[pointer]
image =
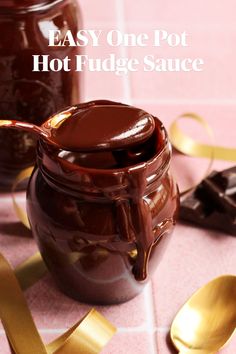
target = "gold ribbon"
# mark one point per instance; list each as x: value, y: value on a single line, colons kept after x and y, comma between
x: 192, y: 147
x: 91, y: 334
x: 22, y: 176
x: 88, y: 336
x: 180, y: 141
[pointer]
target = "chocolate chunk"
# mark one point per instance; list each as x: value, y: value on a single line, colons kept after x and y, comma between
x: 213, y: 203
x: 227, y: 178
x: 221, y: 188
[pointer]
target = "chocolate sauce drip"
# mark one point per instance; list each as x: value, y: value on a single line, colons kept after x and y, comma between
x: 126, y: 132
x: 107, y: 205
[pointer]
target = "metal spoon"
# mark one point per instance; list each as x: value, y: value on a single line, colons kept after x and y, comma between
x: 44, y: 132
x: 208, y: 319
x: 94, y: 127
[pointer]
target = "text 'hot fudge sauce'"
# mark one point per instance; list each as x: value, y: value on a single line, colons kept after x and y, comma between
x: 26, y: 95
x: 102, y: 215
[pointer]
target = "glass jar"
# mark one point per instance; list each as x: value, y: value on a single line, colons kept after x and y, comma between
x: 102, y: 231
x: 26, y: 95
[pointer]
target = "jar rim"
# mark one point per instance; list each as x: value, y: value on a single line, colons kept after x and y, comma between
x: 64, y: 172
x: 43, y: 145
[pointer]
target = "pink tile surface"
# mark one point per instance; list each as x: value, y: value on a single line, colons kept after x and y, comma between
x: 214, y: 82
x: 102, y: 12
x: 194, y: 256
x: 124, y: 343
x: 120, y: 344
x: 165, y: 346
x: 182, y: 12
x: 103, y: 84
x: 46, y: 301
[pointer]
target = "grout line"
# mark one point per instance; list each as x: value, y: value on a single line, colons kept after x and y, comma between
x: 186, y: 101
x: 127, y: 94
x: 164, y: 330
x: 93, y: 97
x: 135, y: 25
x: 5, y: 200
x: 124, y: 51
x: 9, y: 199
x: 141, y: 329
x: 144, y: 328
x: 170, y: 101
x: 149, y: 303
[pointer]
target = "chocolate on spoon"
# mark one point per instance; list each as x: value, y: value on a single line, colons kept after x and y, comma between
x: 111, y: 127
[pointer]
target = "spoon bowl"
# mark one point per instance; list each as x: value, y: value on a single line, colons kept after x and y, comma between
x: 111, y: 126
x: 208, y: 319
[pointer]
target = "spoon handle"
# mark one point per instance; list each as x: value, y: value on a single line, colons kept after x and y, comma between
x: 189, y: 351
x: 15, y: 124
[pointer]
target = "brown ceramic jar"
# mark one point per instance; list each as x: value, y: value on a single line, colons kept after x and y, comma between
x: 94, y: 223
x: 26, y: 95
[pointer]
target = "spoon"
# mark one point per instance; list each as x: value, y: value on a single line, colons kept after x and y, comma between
x: 45, y: 131
x: 208, y: 319
x: 92, y: 126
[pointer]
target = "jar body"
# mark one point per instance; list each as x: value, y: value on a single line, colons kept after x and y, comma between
x: 26, y: 95
x: 79, y: 238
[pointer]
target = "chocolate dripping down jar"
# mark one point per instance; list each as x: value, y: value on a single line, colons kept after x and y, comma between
x: 101, y: 227
x: 26, y: 95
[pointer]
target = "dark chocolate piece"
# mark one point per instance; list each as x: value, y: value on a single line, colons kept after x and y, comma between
x: 227, y: 178
x: 221, y: 188
x: 213, y: 203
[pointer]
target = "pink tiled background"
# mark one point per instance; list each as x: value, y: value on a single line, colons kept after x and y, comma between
x: 194, y: 256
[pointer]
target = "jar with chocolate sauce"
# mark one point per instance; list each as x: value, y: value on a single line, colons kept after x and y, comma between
x: 103, y: 210
x: 26, y: 95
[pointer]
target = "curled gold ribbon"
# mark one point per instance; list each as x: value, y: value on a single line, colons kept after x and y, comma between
x: 30, y: 271
x: 88, y: 336
x: 191, y: 147
x: 22, y: 215
x: 91, y: 334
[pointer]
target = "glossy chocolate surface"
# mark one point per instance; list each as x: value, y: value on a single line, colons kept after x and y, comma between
x: 26, y: 95
x: 102, y: 217
x: 103, y: 127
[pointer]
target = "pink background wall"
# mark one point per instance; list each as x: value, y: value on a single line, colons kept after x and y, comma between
x: 194, y: 256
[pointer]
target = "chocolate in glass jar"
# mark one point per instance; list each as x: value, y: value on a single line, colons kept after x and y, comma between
x: 102, y: 212
x: 26, y: 95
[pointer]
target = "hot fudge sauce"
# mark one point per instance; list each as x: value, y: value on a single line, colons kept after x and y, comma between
x: 102, y: 213
x: 26, y: 95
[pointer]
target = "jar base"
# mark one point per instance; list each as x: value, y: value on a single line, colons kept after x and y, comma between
x: 92, y: 301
